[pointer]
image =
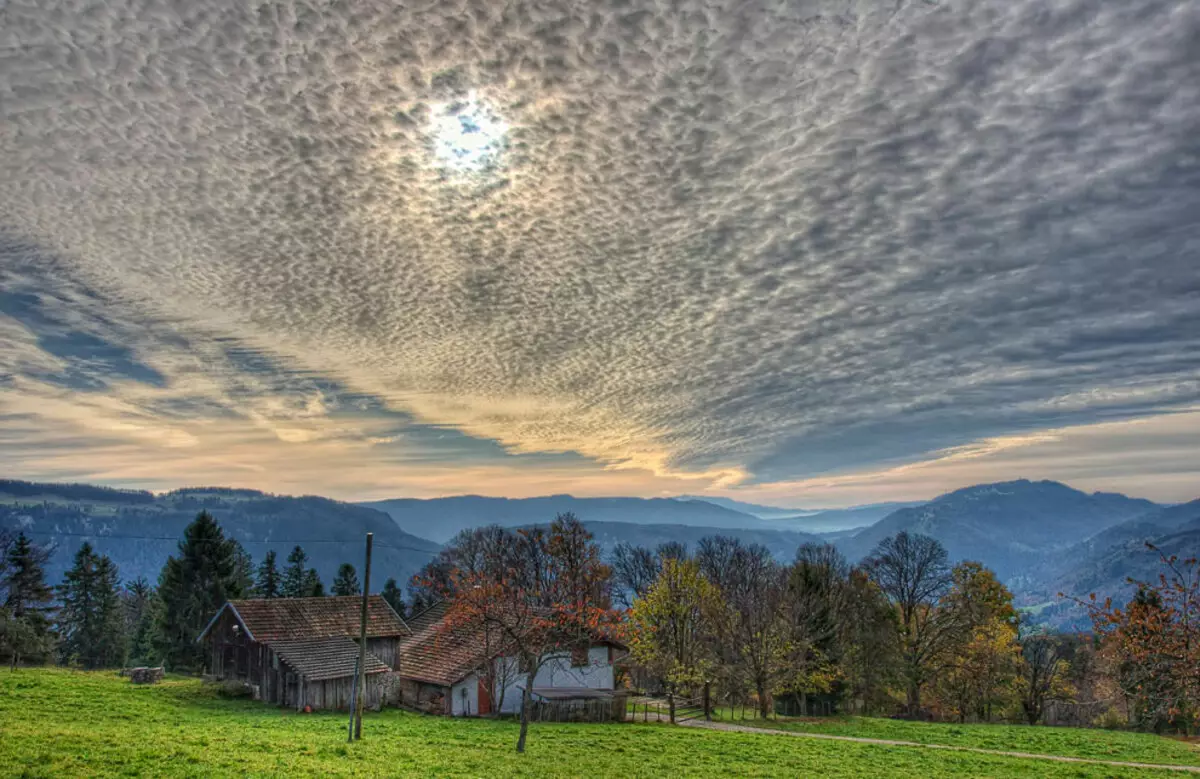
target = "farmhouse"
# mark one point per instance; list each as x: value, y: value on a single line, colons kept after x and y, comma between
x: 464, y: 672
x: 300, y: 652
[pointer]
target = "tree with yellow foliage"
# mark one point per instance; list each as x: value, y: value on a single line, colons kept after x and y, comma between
x: 981, y: 666
x: 672, y: 628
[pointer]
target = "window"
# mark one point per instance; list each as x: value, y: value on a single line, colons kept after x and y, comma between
x: 579, y: 657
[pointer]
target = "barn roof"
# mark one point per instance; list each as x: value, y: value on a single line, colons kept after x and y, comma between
x: 324, y: 658
x: 443, y: 655
x: 439, y: 656
x: 271, y: 619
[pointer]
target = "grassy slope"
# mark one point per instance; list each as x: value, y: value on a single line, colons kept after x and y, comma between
x: 1070, y: 742
x: 60, y: 723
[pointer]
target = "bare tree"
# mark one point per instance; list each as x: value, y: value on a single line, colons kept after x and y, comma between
x: 635, y: 569
x: 753, y: 637
x: 671, y: 550
x: 490, y: 550
x: 914, y: 572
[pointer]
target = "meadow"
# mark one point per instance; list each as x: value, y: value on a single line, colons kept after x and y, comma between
x: 57, y: 722
x: 1093, y: 744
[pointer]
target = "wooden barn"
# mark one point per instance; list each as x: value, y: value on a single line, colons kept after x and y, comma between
x: 300, y: 652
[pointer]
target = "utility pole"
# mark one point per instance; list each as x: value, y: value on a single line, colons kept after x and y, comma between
x: 361, y: 681
x: 353, y: 705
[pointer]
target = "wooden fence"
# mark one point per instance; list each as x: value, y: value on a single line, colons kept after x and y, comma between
x: 588, y: 710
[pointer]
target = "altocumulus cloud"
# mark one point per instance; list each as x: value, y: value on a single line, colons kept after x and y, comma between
x: 738, y: 243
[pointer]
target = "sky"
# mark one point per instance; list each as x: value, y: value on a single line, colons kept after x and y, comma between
x: 808, y: 253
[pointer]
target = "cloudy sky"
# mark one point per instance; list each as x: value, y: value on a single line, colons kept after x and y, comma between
x: 809, y: 252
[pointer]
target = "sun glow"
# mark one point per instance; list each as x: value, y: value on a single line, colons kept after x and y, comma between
x: 468, y: 135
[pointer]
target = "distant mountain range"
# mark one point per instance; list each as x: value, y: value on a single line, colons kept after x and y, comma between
x: 1010, y: 526
x: 1041, y: 537
x: 139, y: 530
x: 753, y: 509
x: 810, y: 520
x: 441, y: 518
x: 1104, y: 562
x: 782, y: 543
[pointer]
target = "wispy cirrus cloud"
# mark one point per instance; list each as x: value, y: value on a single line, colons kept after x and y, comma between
x: 726, y: 244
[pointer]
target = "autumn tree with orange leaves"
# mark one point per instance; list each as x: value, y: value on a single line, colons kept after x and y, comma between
x: 540, y: 595
x: 1155, y: 642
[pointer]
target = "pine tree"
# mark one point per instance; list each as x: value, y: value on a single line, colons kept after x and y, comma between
x: 136, y: 599
x: 269, y: 584
x: 191, y: 588
x: 313, y: 586
x: 346, y: 581
x: 141, y: 604
x: 243, y: 570
x: 294, y: 574
x: 91, y: 621
x: 391, y: 593
x: 112, y: 649
x: 28, y: 602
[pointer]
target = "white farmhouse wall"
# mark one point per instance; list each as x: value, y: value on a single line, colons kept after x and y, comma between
x: 557, y: 672
x: 464, y: 697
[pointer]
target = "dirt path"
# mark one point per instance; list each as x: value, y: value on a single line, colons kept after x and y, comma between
x: 892, y: 743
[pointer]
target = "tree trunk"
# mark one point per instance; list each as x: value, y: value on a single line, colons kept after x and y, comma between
x: 914, y: 700
x: 708, y: 701
x: 526, y: 698
x: 671, y: 706
x: 760, y: 686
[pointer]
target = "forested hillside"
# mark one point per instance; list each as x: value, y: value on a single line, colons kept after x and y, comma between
x: 138, y: 530
x: 1013, y: 527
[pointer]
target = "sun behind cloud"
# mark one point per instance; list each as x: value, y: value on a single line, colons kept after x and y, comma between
x: 721, y: 246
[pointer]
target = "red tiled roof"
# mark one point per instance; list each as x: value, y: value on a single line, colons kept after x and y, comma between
x: 272, y: 619
x: 324, y: 658
x: 440, y: 656
x: 432, y: 654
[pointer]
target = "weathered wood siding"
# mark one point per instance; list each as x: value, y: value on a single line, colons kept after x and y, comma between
x: 336, y: 693
x: 386, y: 649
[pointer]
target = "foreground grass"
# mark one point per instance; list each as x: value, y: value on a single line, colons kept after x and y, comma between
x: 63, y: 723
x: 1068, y: 742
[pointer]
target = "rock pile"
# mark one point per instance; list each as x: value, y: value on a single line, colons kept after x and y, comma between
x: 146, y: 675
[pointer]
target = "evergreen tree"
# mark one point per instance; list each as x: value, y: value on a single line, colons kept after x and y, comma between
x: 19, y: 639
x: 91, y: 621
x: 191, y: 588
x: 346, y: 581
x: 391, y: 593
x: 28, y: 602
x: 243, y: 570
x: 136, y: 599
x: 294, y: 580
x: 313, y: 586
x: 141, y: 615
x: 269, y: 584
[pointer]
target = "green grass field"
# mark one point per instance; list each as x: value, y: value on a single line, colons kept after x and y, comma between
x: 63, y: 723
x: 1069, y: 742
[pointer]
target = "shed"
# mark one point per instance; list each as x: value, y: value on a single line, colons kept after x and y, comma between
x: 303, y: 651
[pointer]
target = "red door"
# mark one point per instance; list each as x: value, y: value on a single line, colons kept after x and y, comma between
x: 485, y: 700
